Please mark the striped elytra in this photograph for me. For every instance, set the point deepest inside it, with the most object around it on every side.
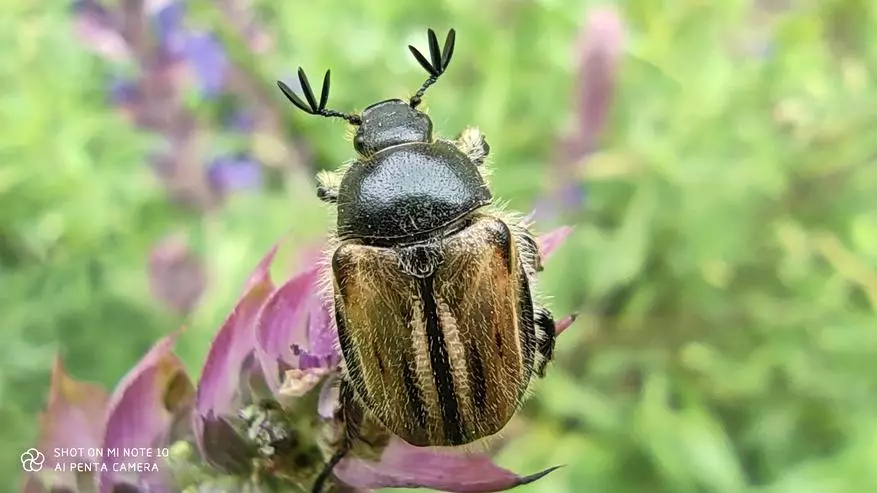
(439, 339)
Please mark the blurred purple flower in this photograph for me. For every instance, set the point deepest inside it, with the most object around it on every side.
(143, 411)
(227, 174)
(208, 61)
(201, 51)
(177, 276)
(241, 121)
(170, 31)
(94, 27)
(568, 197)
(243, 18)
(599, 52)
(125, 96)
(123, 91)
(258, 39)
(170, 56)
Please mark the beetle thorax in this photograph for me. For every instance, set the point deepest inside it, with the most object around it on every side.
(408, 192)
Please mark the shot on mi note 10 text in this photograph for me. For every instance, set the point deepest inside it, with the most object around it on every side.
(80, 459)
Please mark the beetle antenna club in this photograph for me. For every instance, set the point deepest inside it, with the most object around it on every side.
(313, 107)
(439, 59)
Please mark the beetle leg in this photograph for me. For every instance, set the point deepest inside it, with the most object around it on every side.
(473, 144)
(328, 195)
(351, 413)
(546, 337)
(350, 416)
(327, 186)
(320, 483)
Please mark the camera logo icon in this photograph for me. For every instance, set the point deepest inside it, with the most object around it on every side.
(32, 460)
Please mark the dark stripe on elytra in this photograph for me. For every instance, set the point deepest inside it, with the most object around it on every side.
(477, 381)
(351, 360)
(525, 326)
(441, 365)
(379, 360)
(412, 391)
(497, 338)
(545, 322)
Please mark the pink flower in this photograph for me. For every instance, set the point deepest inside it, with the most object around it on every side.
(142, 412)
(263, 410)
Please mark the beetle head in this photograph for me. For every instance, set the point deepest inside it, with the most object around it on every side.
(390, 123)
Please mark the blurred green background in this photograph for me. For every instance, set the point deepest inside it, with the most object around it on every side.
(724, 259)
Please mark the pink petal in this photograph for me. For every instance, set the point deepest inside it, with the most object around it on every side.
(406, 466)
(322, 342)
(551, 241)
(262, 273)
(282, 323)
(219, 386)
(141, 412)
(297, 383)
(73, 419)
(327, 402)
(235, 341)
(564, 323)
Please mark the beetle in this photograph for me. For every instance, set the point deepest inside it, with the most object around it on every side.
(433, 284)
